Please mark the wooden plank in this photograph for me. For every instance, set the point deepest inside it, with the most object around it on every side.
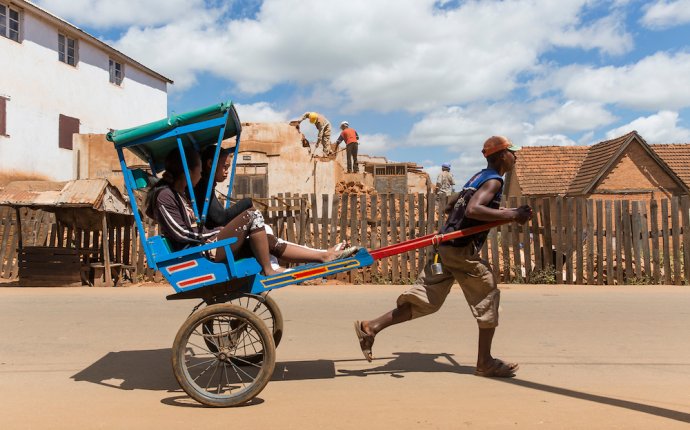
(303, 236)
(653, 220)
(644, 233)
(685, 207)
(8, 266)
(384, 232)
(675, 233)
(536, 236)
(354, 225)
(591, 240)
(344, 210)
(600, 242)
(314, 213)
(627, 240)
(619, 241)
(53, 235)
(402, 236)
(559, 238)
(666, 246)
(411, 233)
(324, 221)
(569, 238)
(493, 242)
(335, 207)
(118, 245)
(421, 207)
(8, 225)
(548, 242)
(527, 245)
(636, 245)
(395, 263)
(579, 240)
(374, 241)
(19, 232)
(505, 252)
(515, 242)
(106, 252)
(610, 255)
(127, 244)
(280, 216)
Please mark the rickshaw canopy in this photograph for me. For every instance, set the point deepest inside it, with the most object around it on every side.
(153, 141)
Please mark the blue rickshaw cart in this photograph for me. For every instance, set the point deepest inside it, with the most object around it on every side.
(224, 353)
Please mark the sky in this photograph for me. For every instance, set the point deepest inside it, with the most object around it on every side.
(425, 81)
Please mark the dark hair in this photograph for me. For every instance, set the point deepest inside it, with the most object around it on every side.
(208, 153)
(173, 170)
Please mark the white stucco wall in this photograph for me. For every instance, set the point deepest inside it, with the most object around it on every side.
(40, 88)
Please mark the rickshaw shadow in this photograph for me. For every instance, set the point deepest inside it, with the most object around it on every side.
(150, 370)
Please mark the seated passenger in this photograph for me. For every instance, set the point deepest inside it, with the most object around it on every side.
(219, 216)
(169, 206)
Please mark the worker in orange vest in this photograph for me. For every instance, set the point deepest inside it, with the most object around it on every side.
(351, 138)
(324, 128)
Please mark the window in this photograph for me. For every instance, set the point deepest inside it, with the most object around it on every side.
(9, 22)
(251, 180)
(116, 72)
(3, 116)
(68, 49)
(68, 126)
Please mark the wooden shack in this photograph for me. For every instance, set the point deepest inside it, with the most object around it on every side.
(88, 233)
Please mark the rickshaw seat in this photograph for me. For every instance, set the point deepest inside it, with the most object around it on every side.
(190, 267)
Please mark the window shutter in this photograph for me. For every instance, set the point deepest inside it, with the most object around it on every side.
(3, 116)
(68, 126)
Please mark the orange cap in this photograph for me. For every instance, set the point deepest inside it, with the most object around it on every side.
(495, 144)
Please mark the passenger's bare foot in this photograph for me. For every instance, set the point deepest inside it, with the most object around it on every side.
(272, 271)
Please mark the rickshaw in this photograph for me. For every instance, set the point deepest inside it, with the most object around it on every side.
(224, 352)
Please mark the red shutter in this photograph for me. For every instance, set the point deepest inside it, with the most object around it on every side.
(3, 116)
(68, 126)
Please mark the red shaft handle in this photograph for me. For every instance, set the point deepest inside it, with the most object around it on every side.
(431, 239)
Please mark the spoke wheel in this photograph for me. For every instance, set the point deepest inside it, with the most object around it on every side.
(264, 307)
(221, 376)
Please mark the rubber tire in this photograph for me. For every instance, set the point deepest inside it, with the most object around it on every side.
(179, 349)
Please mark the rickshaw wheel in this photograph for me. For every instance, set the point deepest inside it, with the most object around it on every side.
(266, 309)
(223, 377)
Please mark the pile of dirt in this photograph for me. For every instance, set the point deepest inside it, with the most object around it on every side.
(353, 187)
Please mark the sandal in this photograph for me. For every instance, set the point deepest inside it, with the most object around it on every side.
(366, 341)
(498, 369)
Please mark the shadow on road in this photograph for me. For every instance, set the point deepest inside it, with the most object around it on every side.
(150, 370)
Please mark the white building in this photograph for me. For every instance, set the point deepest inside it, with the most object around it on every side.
(56, 80)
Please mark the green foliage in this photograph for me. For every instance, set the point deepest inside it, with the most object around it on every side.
(546, 275)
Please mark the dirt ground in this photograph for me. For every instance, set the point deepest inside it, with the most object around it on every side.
(591, 358)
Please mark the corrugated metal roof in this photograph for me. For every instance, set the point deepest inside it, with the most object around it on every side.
(87, 193)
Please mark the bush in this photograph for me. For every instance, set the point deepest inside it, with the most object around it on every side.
(546, 275)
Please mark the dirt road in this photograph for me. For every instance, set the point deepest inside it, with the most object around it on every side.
(591, 357)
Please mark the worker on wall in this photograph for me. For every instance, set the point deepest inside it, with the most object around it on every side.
(351, 138)
(323, 126)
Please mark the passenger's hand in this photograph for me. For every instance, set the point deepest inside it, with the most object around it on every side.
(523, 214)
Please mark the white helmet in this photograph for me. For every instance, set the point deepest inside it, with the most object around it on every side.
(345, 123)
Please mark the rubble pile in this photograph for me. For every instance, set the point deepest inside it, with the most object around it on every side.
(353, 187)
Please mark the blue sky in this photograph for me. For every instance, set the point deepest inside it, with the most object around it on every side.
(420, 80)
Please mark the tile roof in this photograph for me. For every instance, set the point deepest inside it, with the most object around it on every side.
(554, 170)
(598, 156)
(677, 156)
(548, 169)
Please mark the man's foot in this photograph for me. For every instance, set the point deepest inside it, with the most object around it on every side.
(366, 340)
(497, 369)
(273, 271)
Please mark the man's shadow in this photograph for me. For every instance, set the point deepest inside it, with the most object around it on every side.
(150, 370)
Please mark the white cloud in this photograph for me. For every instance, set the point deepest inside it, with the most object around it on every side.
(659, 81)
(122, 13)
(260, 112)
(665, 14)
(661, 127)
(411, 56)
(375, 144)
(575, 116)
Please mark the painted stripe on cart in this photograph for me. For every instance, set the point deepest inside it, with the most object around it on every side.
(182, 266)
(197, 280)
(290, 277)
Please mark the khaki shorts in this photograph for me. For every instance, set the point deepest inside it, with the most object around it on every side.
(474, 276)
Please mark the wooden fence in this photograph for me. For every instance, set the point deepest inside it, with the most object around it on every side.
(569, 240)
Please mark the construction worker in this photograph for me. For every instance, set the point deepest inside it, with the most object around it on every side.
(445, 181)
(324, 128)
(351, 138)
